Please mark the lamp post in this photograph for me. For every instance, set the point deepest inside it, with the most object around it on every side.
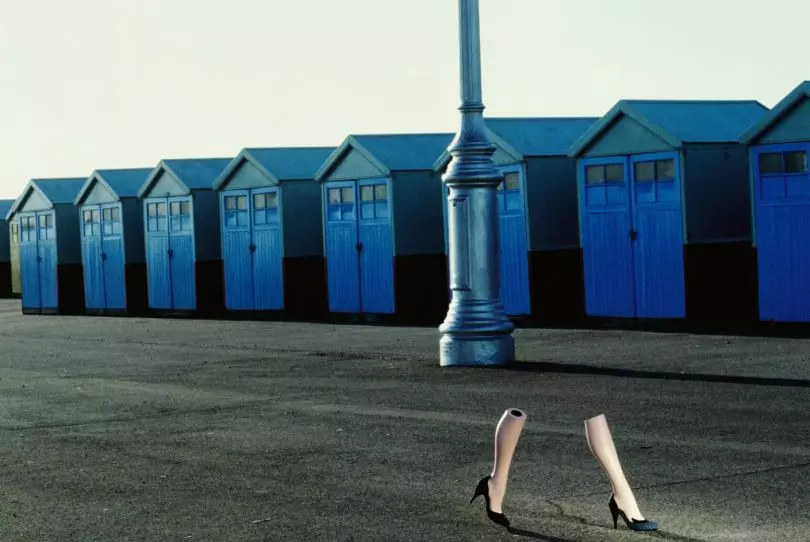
(476, 330)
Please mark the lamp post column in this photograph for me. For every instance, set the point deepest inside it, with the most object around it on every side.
(476, 330)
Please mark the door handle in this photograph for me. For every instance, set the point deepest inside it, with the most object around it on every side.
(252, 247)
(170, 252)
(104, 257)
(359, 247)
(39, 258)
(633, 235)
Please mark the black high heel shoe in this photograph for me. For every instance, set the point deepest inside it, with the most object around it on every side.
(634, 524)
(483, 489)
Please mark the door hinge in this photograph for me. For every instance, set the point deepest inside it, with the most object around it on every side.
(633, 235)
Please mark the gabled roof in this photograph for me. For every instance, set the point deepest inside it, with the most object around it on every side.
(391, 152)
(779, 111)
(55, 191)
(123, 183)
(191, 173)
(5, 206)
(533, 136)
(279, 164)
(680, 121)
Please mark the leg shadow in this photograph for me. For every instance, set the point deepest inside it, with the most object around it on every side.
(536, 536)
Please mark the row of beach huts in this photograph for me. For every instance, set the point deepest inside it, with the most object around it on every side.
(660, 209)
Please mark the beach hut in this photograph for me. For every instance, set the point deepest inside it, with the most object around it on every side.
(113, 258)
(181, 224)
(665, 222)
(272, 236)
(383, 227)
(6, 275)
(780, 183)
(540, 261)
(14, 252)
(50, 247)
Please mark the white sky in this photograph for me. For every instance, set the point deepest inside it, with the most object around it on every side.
(92, 84)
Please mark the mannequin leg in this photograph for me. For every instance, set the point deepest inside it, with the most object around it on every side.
(506, 438)
(601, 445)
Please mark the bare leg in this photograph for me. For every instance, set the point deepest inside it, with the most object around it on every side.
(601, 444)
(506, 438)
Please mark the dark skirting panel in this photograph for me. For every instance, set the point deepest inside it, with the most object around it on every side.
(137, 289)
(209, 282)
(420, 286)
(557, 286)
(305, 288)
(70, 285)
(721, 284)
(5, 280)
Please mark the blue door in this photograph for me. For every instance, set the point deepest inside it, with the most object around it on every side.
(29, 261)
(267, 250)
(514, 252)
(237, 250)
(782, 218)
(342, 248)
(606, 230)
(92, 265)
(375, 248)
(181, 254)
(157, 253)
(112, 257)
(658, 235)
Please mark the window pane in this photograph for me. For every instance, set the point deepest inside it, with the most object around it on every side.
(230, 203)
(230, 218)
(87, 217)
(770, 162)
(366, 194)
(595, 175)
(796, 162)
(367, 210)
(151, 209)
(174, 208)
(334, 195)
(513, 201)
(347, 212)
(258, 201)
(185, 222)
(96, 215)
(665, 170)
(162, 226)
(49, 221)
(108, 228)
(272, 200)
(42, 221)
(380, 192)
(645, 172)
(242, 202)
(116, 228)
(161, 209)
(381, 209)
(242, 218)
(333, 213)
(272, 216)
(116, 214)
(614, 173)
(347, 195)
(107, 214)
(512, 181)
(185, 207)
(260, 217)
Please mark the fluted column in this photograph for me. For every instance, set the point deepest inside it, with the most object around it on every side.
(476, 330)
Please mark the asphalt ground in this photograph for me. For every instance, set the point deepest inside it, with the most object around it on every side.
(139, 429)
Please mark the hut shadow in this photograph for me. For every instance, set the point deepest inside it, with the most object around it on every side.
(582, 369)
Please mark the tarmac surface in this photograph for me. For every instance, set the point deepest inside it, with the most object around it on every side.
(139, 429)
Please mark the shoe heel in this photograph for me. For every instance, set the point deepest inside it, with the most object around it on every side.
(614, 511)
(481, 489)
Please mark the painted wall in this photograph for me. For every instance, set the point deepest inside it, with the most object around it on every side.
(247, 176)
(354, 166)
(34, 202)
(303, 218)
(5, 242)
(98, 194)
(551, 194)
(717, 192)
(626, 136)
(206, 225)
(165, 185)
(793, 127)
(418, 215)
(134, 243)
(68, 234)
